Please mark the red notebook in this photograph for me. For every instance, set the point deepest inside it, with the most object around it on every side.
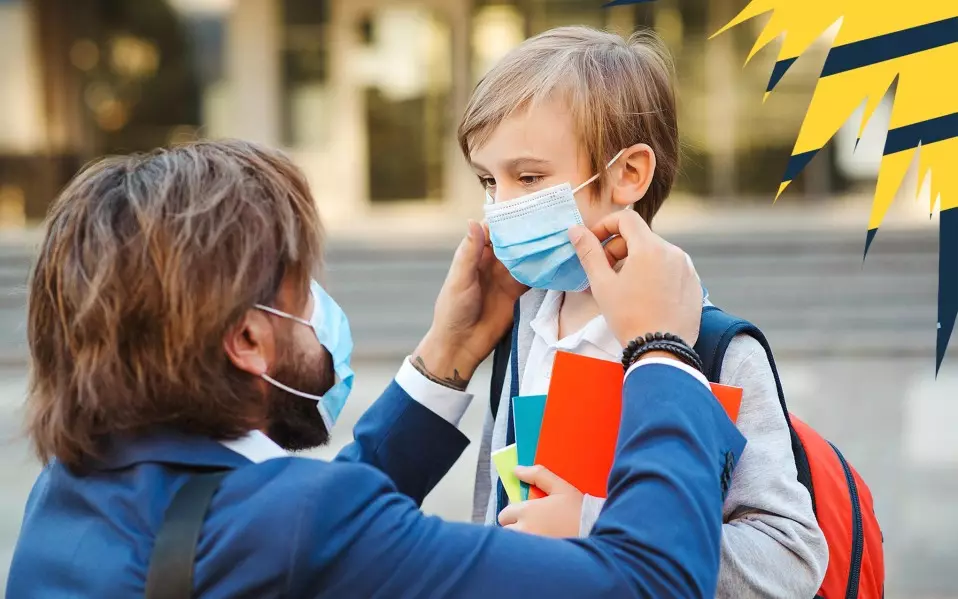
(729, 397)
(581, 421)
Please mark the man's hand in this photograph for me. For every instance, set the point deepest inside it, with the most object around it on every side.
(556, 515)
(473, 312)
(655, 289)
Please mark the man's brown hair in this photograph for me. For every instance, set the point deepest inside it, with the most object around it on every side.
(147, 262)
(620, 92)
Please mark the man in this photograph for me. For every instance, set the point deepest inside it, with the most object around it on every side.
(174, 330)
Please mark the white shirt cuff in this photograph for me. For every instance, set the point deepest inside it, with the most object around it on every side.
(698, 375)
(448, 404)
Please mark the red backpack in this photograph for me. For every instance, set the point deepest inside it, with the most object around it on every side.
(841, 499)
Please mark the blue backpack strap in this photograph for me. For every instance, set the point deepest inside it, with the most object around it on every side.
(500, 361)
(503, 357)
(716, 332)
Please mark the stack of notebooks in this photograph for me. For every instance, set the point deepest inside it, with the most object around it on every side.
(572, 431)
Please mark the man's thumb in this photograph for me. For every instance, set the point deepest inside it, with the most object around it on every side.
(590, 253)
(468, 253)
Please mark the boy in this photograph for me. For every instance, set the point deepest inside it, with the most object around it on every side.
(570, 126)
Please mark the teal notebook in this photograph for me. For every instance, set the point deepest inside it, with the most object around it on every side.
(527, 415)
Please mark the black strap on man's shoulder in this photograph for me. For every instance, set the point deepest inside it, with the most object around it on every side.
(170, 575)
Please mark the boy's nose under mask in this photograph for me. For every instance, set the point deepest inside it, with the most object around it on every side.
(530, 237)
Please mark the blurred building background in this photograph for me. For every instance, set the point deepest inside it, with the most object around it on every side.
(366, 96)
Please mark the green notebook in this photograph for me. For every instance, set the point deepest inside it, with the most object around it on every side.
(506, 460)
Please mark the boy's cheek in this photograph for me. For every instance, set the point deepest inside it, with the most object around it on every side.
(593, 211)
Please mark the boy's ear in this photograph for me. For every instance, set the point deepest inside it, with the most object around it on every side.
(632, 174)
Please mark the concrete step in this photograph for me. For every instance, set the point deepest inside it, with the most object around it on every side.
(811, 293)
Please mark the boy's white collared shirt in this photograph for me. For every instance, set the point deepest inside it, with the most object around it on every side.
(594, 340)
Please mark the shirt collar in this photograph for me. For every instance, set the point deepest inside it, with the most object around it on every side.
(172, 447)
(596, 332)
(546, 322)
(166, 446)
(256, 447)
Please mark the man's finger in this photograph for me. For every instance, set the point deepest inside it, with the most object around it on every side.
(616, 250)
(625, 223)
(465, 262)
(591, 255)
(545, 479)
(476, 236)
(510, 515)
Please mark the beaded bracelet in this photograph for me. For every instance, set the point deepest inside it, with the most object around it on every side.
(660, 342)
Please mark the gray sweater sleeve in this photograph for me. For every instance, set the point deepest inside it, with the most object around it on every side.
(772, 545)
(483, 487)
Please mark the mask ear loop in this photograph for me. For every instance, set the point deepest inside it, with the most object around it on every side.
(597, 175)
(302, 394)
(270, 379)
(282, 314)
(327, 421)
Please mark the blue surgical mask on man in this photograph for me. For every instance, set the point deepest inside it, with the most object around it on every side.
(530, 236)
(331, 327)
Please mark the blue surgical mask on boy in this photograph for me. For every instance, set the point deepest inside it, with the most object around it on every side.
(331, 327)
(530, 236)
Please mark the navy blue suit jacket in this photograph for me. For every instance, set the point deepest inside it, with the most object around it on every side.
(296, 527)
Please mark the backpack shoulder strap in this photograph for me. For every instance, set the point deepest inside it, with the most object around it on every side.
(500, 362)
(170, 574)
(715, 334)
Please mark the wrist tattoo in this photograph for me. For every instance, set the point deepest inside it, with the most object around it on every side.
(456, 382)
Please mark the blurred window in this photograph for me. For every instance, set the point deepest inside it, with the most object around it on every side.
(305, 73)
(407, 81)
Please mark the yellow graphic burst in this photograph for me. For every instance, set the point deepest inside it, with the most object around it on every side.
(878, 43)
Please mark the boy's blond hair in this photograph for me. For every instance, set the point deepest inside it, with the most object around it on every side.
(620, 92)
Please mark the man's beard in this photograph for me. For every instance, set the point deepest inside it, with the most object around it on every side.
(295, 423)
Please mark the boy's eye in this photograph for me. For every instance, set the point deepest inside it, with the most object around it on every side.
(530, 180)
(487, 182)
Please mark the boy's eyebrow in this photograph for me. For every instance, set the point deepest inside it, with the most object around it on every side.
(525, 162)
(516, 164)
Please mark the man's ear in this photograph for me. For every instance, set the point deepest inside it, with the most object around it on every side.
(632, 175)
(250, 344)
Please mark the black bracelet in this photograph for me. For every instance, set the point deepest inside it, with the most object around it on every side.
(680, 351)
(666, 342)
